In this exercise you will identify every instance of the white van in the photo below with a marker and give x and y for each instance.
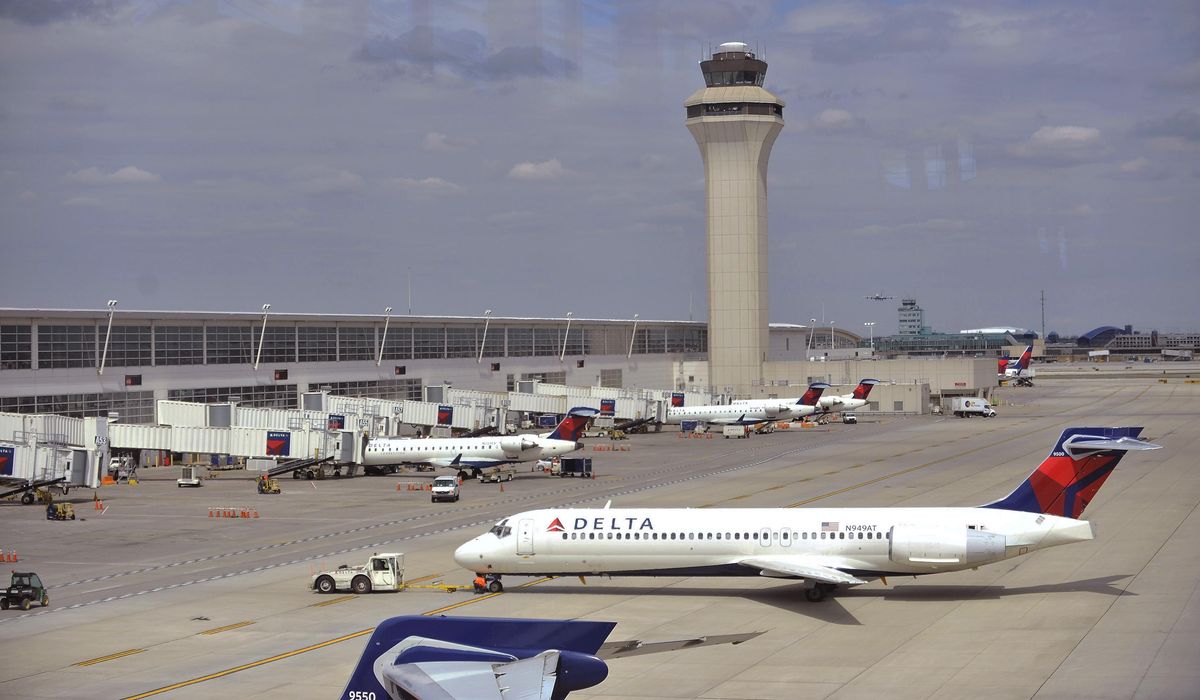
(445, 488)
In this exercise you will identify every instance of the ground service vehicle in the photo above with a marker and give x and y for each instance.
(268, 485)
(382, 572)
(23, 591)
(189, 476)
(850, 418)
(574, 466)
(503, 472)
(60, 511)
(445, 488)
(734, 431)
(965, 407)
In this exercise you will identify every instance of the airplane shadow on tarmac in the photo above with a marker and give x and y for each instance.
(938, 593)
(791, 598)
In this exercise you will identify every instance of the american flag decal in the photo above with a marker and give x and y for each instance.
(829, 527)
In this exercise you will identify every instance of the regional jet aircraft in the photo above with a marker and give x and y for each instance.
(824, 547)
(470, 455)
(762, 411)
(828, 404)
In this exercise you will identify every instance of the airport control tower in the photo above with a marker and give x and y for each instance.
(735, 122)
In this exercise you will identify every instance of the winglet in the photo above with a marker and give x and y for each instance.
(1068, 479)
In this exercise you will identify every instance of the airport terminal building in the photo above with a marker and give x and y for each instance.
(70, 363)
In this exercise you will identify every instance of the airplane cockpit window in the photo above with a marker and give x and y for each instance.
(501, 529)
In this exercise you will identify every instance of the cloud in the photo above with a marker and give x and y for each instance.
(1183, 125)
(847, 33)
(1082, 210)
(27, 196)
(838, 121)
(437, 141)
(1062, 145)
(546, 170)
(82, 201)
(39, 12)
(1142, 168)
(465, 53)
(942, 227)
(324, 180)
(426, 187)
(1185, 77)
(129, 175)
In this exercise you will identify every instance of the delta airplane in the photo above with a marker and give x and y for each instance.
(761, 411)
(824, 547)
(1010, 369)
(830, 404)
(470, 455)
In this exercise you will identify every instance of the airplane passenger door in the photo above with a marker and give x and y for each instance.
(525, 536)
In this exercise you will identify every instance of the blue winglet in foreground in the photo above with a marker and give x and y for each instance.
(479, 658)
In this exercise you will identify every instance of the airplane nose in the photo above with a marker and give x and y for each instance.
(469, 555)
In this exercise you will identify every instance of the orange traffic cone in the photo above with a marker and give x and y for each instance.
(12, 556)
(210, 512)
(501, 487)
(256, 512)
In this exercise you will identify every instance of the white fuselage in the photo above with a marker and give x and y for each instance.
(474, 452)
(825, 404)
(739, 413)
(869, 542)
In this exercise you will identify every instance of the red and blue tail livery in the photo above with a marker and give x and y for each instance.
(573, 423)
(863, 390)
(1068, 479)
(813, 394)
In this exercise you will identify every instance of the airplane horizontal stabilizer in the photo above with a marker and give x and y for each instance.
(785, 567)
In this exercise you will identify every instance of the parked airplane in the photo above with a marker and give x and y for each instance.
(1016, 370)
(470, 455)
(494, 658)
(828, 404)
(879, 297)
(823, 546)
(762, 411)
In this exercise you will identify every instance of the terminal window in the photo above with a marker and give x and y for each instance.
(398, 344)
(356, 344)
(316, 343)
(16, 348)
(178, 345)
(66, 346)
(128, 346)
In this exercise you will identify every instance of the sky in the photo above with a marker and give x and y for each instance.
(531, 158)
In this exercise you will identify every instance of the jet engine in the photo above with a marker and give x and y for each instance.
(944, 545)
(514, 445)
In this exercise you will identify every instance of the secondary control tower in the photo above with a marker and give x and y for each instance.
(735, 123)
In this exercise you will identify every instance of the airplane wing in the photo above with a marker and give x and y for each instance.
(636, 647)
(793, 566)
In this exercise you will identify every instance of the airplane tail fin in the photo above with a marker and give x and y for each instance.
(1068, 479)
(813, 394)
(572, 424)
(1023, 361)
(403, 652)
(863, 390)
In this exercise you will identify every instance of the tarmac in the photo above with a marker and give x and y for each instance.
(151, 597)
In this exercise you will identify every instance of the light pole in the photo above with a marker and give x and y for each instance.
(262, 336)
(112, 309)
(812, 328)
(563, 354)
(487, 317)
(383, 341)
(632, 336)
(871, 327)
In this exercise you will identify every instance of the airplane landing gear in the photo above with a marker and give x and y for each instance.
(818, 592)
(493, 583)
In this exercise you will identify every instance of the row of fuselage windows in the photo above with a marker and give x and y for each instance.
(786, 536)
(424, 446)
